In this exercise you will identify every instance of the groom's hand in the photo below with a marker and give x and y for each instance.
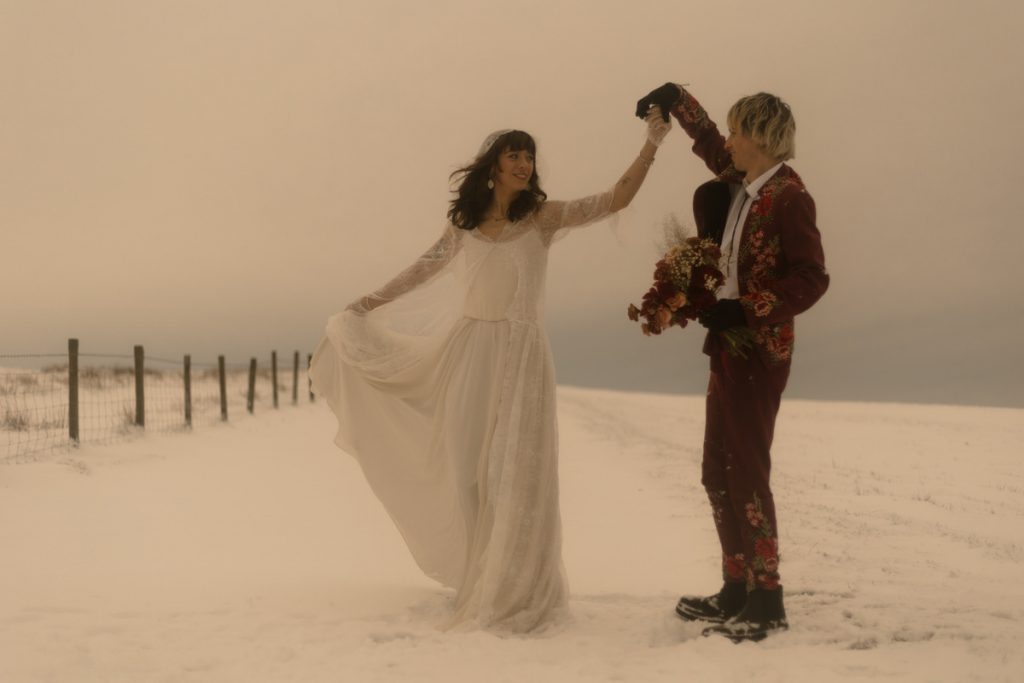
(665, 97)
(724, 315)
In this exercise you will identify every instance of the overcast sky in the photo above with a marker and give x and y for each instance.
(220, 177)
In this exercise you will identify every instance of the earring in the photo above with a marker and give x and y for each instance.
(490, 184)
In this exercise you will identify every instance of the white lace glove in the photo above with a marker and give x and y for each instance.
(657, 126)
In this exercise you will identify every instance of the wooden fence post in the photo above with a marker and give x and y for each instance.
(309, 363)
(140, 391)
(223, 389)
(251, 399)
(73, 391)
(188, 390)
(273, 374)
(295, 380)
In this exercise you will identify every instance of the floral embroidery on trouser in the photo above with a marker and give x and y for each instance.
(734, 568)
(734, 564)
(763, 571)
(742, 402)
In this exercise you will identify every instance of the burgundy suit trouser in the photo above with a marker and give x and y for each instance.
(742, 402)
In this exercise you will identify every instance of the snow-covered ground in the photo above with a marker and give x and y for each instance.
(254, 551)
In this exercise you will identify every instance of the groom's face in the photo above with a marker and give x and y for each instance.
(744, 151)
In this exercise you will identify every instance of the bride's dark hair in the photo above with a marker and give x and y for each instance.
(473, 196)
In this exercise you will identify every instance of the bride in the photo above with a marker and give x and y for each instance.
(444, 388)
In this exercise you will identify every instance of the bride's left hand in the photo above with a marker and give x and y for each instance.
(658, 125)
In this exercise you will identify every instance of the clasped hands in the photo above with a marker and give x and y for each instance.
(664, 98)
(654, 108)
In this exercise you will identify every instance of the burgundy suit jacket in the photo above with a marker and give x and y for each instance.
(781, 264)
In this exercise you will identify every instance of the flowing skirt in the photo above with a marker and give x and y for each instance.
(461, 447)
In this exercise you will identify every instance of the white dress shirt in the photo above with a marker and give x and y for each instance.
(742, 197)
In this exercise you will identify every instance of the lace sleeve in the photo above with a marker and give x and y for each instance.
(422, 271)
(557, 216)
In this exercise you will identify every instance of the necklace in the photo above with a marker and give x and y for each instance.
(500, 213)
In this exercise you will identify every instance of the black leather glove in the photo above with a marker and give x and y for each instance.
(724, 315)
(665, 97)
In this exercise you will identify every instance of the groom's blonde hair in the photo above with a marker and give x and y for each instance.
(768, 121)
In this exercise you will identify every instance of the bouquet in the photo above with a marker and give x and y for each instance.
(686, 280)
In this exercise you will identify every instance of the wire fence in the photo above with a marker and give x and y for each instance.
(93, 399)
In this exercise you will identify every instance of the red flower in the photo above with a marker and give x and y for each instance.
(754, 515)
(761, 301)
(676, 301)
(735, 566)
(767, 548)
(778, 340)
(763, 205)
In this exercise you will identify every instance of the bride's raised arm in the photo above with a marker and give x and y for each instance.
(657, 128)
(556, 215)
(426, 267)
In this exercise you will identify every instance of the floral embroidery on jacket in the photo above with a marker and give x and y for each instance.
(761, 302)
(760, 262)
(692, 111)
(777, 340)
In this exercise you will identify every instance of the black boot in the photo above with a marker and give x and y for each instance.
(762, 615)
(715, 608)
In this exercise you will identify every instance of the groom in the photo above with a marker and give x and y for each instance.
(758, 210)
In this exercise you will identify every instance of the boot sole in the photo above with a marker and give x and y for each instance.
(753, 636)
(687, 615)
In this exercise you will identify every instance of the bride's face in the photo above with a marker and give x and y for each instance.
(514, 170)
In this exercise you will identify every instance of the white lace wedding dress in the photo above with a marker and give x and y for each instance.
(446, 397)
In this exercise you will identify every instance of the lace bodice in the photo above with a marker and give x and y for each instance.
(500, 277)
